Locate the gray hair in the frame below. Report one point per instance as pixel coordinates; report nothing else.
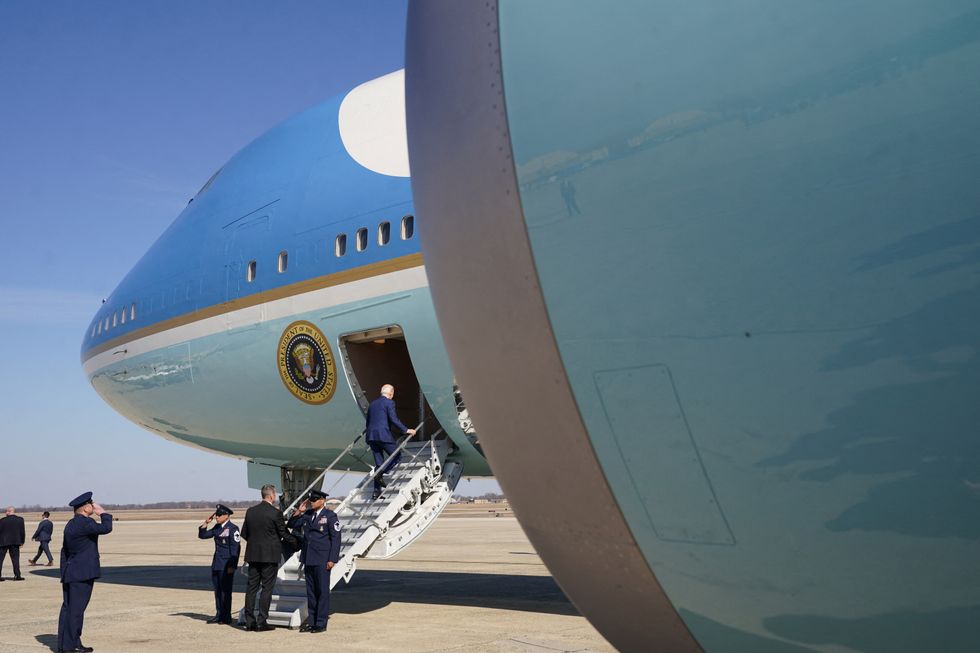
(268, 490)
(387, 389)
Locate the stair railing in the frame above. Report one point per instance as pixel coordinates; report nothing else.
(370, 477)
(300, 496)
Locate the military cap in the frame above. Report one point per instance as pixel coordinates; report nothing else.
(316, 495)
(222, 509)
(81, 500)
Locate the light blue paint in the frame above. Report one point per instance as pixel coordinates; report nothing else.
(293, 189)
(779, 203)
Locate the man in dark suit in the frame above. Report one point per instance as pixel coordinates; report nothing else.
(42, 535)
(264, 529)
(381, 414)
(320, 552)
(79, 569)
(11, 539)
(227, 546)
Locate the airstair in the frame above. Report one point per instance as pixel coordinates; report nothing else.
(417, 491)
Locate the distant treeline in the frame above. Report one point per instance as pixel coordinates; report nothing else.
(489, 496)
(160, 505)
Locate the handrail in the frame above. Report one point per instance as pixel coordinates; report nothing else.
(319, 478)
(377, 470)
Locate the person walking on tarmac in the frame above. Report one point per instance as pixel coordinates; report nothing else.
(42, 535)
(320, 552)
(227, 549)
(381, 413)
(79, 569)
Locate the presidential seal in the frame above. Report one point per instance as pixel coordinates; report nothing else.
(306, 363)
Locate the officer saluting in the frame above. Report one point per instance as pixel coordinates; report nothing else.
(227, 547)
(321, 550)
(79, 569)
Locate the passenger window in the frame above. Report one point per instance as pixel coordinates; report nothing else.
(99, 328)
(250, 272)
(340, 245)
(122, 316)
(283, 261)
(408, 226)
(361, 239)
(93, 331)
(132, 311)
(384, 233)
(105, 324)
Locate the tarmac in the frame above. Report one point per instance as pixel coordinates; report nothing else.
(471, 583)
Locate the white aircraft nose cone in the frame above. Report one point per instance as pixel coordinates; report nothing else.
(372, 125)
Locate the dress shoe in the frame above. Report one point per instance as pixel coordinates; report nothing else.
(249, 628)
(213, 620)
(305, 628)
(318, 629)
(50, 562)
(33, 562)
(18, 578)
(85, 649)
(264, 628)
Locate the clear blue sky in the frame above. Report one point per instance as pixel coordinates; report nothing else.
(112, 115)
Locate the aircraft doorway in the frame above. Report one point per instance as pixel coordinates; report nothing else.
(377, 356)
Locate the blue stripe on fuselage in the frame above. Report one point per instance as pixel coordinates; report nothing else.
(293, 189)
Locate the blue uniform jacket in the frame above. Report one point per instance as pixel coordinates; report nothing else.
(80, 552)
(321, 543)
(227, 545)
(43, 532)
(380, 414)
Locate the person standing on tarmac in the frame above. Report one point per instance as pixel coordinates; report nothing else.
(320, 552)
(11, 539)
(227, 549)
(79, 569)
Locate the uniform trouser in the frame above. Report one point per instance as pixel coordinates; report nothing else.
(317, 595)
(381, 451)
(43, 548)
(259, 574)
(222, 582)
(14, 552)
(75, 598)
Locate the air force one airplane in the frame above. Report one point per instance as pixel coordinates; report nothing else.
(706, 276)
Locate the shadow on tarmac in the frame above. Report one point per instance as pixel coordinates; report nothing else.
(372, 590)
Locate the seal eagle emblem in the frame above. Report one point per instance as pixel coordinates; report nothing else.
(306, 364)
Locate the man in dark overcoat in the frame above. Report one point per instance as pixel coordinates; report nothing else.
(264, 530)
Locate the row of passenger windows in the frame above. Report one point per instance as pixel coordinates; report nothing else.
(340, 249)
(117, 318)
(340, 244)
